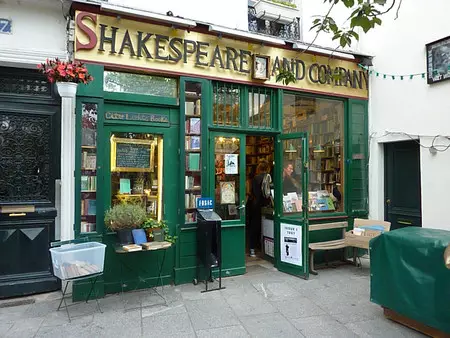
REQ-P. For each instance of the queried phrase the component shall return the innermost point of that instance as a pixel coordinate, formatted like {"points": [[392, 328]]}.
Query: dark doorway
{"points": [[29, 165], [402, 184]]}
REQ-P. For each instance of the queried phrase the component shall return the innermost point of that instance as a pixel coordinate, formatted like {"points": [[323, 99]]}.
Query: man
{"points": [[289, 183]]}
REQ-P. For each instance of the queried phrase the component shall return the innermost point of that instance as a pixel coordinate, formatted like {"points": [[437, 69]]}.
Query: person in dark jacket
{"points": [[256, 202], [289, 183]]}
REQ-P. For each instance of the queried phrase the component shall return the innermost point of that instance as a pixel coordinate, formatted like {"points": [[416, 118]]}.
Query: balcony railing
{"points": [[285, 31]]}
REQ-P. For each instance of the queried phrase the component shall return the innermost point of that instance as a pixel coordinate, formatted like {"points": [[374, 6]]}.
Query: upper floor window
{"points": [[268, 23]]}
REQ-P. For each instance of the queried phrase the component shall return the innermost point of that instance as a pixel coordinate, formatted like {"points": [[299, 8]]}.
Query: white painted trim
{"points": [[24, 57], [146, 14]]}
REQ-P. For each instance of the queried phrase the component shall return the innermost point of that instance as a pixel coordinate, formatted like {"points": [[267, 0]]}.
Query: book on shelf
{"points": [[88, 207], [87, 227], [189, 107], [197, 109], [193, 161], [125, 186], [194, 125], [192, 143], [88, 183], [190, 217], [190, 200]]}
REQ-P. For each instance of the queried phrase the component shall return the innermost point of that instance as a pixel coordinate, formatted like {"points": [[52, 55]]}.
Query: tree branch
{"points": [[398, 9]]}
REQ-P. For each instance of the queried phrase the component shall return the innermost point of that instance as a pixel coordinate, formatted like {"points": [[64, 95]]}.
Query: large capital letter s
{"points": [[86, 30]]}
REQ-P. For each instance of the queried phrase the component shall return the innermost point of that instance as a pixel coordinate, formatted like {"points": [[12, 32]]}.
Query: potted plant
{"points": [[124, 217], [66, 74], [150, 225], [158, 231]]}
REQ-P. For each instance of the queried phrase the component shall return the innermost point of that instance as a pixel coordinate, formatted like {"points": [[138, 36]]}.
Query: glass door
{"points": [[291, 205], [228, 176]]}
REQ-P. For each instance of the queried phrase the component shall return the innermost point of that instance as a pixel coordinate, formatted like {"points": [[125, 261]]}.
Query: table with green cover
{"points": [[408, 275]]}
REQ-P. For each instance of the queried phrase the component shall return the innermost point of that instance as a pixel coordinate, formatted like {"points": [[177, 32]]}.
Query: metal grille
{"points": [[12, 83], [226, 107], [289, 32], [25, 157], [259, 112]]}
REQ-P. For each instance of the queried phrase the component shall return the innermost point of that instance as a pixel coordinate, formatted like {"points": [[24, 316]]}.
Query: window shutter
{"points": [[358, 161]]}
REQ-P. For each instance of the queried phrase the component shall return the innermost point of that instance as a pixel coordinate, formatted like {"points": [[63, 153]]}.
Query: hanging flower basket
{"points": [[65, 71]]}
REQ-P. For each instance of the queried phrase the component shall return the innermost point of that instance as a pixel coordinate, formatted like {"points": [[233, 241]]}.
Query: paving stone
{"points": [[194, 292], [4, 327], [322, 326], [269, 325], [24, 328], [162, 310], [236, 331], [10, 314], [171, 325], [382, 327], [206, 314], [278, 290], [249, 303], [298, 307]]}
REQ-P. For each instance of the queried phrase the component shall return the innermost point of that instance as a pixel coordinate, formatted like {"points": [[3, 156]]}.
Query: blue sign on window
{"points": [[205, 203], [5, 26]]}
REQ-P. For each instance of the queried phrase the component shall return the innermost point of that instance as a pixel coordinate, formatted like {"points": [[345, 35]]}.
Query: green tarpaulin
{"points": [[408, 275]]}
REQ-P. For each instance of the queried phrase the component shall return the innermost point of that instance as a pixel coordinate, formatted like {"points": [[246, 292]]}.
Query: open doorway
{"points": [[259, 208]]}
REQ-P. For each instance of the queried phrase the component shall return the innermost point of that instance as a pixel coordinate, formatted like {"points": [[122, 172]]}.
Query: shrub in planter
{"points": [[124, 217], [157, 231]]}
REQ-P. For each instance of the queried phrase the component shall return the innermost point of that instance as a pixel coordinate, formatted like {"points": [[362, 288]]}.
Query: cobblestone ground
{"points": [[261, 303]]}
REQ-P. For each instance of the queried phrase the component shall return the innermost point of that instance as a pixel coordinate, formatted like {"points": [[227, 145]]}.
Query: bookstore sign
{"points": [[103, 39], [136, 117]]}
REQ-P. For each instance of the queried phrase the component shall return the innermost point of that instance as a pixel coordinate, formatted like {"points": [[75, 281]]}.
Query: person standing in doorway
{"points": [[255, 204]]}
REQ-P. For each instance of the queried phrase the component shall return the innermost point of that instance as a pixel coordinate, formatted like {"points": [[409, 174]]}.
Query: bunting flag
{"points": [[392, 76]]}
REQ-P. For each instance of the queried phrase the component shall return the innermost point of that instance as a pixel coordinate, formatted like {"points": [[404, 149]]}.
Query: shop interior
{"points": [[259, 228]]}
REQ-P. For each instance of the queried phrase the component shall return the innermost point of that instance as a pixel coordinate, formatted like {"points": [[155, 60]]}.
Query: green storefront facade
{"points": [[192, 121]]}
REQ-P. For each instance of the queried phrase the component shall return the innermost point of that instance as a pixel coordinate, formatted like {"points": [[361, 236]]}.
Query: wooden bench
{"points": [[328, 245]]}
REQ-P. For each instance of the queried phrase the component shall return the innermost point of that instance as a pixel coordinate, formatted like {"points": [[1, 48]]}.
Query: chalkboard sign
{"points": [[132, 155]]}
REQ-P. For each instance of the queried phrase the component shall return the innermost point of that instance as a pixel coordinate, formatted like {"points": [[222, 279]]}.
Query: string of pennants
{"points": [[392, 76]]}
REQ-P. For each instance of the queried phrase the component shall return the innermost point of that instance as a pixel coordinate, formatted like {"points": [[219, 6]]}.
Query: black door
{"points": [[29, 165], [402, 184]]}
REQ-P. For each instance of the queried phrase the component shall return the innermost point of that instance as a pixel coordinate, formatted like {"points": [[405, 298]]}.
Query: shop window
{"points": [[259, 107], [226, 105], [139, 84], [136, 171], [226, 155], [323, 119], [88, 182]]}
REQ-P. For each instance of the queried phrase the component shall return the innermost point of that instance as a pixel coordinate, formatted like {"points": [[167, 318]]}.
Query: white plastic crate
{"points": [[78, 260]]}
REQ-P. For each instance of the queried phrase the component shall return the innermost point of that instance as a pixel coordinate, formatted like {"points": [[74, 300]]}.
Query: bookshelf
{"points": [[88, 167], [259, 148], [192, 148]]}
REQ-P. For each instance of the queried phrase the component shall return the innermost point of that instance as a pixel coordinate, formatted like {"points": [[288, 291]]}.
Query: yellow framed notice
{"points": [[132, 155]]}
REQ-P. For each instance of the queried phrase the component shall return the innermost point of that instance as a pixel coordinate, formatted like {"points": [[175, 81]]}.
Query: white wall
{"points": [[410, 106], [229, 13], [38, 32]]}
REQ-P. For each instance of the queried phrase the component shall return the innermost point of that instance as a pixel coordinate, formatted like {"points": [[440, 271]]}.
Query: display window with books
{"points": [[323, 120], [192, 147], [136, 171], [88, 180]]}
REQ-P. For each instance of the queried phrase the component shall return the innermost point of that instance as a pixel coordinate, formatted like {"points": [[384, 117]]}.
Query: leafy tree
{"points": [[364, 14]]}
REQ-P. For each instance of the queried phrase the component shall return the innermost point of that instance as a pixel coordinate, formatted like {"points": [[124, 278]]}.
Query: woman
{"points": [[255, 203]]}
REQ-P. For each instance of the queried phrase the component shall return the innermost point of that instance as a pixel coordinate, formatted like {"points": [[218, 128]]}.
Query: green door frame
{"points": [[170, 210], [303, 270]]}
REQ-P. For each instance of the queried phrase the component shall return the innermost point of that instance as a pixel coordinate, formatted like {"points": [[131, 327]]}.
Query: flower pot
{"points": [[125, 236], [67, 89]]}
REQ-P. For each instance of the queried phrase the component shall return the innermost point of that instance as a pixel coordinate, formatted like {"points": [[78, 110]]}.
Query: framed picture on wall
{"points": [[261, 65], [438, 60]]}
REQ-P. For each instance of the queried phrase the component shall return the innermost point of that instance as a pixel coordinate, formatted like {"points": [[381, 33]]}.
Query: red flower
{"points": [[65, 71]]}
